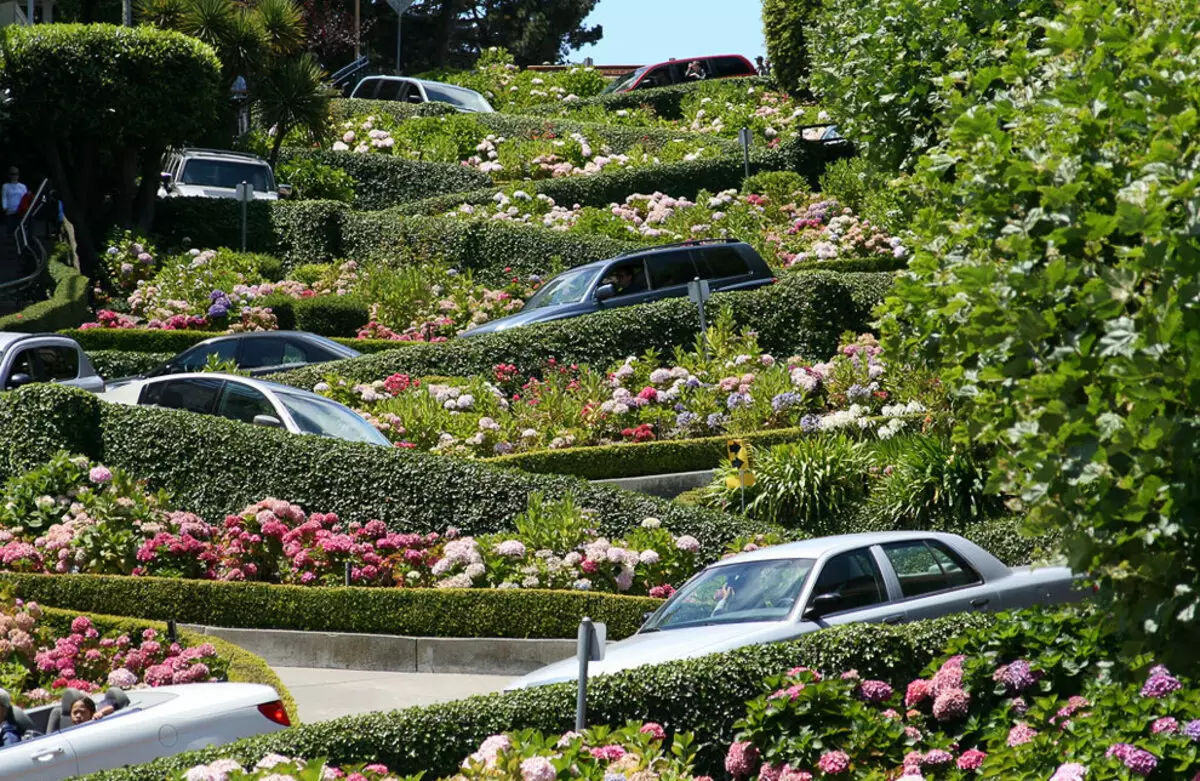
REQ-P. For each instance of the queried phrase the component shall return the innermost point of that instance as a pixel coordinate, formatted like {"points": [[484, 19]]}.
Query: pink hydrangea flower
{"points": [[1020, 735], [1071, 771], [655, 731], [834, 762], [971, 759], [100, 475], [1166, 724], [742, 760], [876, 691], [918, 691], [951, 704], [538, 769], [937, 757], [792, 774]]}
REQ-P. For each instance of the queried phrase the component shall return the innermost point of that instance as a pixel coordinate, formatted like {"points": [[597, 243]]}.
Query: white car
{"points": [[409, 90], [251, 401], [781, 592], [216, 173], [156, 723]]}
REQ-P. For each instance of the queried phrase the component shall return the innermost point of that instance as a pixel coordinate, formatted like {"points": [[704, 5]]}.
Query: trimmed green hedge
{"points": [[609, 462], [214, 466], [244, 667], [135, 340], [803, 314], [384, 180], [383, 611], [67, 306], [704, 696], [665, 102], [115, 364], [485, 247], [864, 265], [297, 231]]}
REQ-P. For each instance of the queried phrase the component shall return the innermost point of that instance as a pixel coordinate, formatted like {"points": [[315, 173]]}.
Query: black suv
{"points": [[638, 277]]}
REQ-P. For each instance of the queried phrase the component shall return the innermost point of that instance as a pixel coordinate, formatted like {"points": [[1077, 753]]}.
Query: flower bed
{"points": [[72, 516]]}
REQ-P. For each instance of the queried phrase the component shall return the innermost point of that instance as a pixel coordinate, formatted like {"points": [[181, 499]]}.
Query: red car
{"points": [[664, 74]]}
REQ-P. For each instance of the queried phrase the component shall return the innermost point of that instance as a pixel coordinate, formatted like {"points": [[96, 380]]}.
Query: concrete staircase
{"points": [[13, 267]]}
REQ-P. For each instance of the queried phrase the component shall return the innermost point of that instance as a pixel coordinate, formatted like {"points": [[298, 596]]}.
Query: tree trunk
{"points": [[147, 196], [445, 30], [74, 188], [126, 186], [281, 130]]}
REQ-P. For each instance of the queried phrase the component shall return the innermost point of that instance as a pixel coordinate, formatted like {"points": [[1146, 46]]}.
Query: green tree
{"points": [[101, 104], [1056, 286], [785, 26], [292, 94]]}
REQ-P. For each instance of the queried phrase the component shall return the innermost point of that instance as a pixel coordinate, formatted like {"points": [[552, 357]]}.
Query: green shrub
{"points": [[384, 180], [785, 25], [215, 467], [315, 180], [804, 314], [157, 342], [381, 611], [295, 231], [608, 462], [1005, 539], [664, 102], [67, 306], [325, 315], [115, 364], [779, 186], [886, 89], [244, 667], [870, 192], [705, 695]]}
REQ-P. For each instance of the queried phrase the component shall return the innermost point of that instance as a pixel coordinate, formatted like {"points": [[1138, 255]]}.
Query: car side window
{"points": [[368, 89], [659, 77], [57, 362], [259, 352], [242, 402], [295, 352], [854, 577], [723, 67], [917, 568], [23, 363], [721, 262], [627, 278], [390, 90], [958, 572], [196, 358], [668, 269], [196, 394]]}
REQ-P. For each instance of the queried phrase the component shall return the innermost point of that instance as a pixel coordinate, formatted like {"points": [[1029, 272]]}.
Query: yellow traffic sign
{"points": [[739, 454], [740, 480]]}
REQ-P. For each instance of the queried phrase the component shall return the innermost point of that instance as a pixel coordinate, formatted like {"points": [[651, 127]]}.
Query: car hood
{"points": [[525, 317], [666, 646]]}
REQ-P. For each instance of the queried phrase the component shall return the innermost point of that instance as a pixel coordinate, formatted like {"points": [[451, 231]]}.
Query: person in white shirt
{"points": [[11, 195]]}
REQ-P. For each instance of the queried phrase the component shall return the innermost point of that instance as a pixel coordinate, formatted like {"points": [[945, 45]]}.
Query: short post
{"points": [[347, 574], [245, 192], [592, 637], [698, 293], [172, 634], [744, 138]]}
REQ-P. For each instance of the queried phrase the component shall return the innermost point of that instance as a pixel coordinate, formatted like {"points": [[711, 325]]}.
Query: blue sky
{"points": [[637, 32]]}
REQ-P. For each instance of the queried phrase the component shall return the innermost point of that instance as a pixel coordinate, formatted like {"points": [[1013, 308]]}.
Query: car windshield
{"points": [[626, 81], [227, 173], [463, 98], [569, 287], [735, 594], [329, 419]]}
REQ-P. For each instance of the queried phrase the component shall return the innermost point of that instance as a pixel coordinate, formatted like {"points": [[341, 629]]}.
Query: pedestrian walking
{"points": [[11, 195]]}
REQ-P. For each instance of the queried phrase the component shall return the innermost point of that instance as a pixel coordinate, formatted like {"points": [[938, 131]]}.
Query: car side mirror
{"points": [[19, 379], [646, 616], [605, 292], [269, 421], [822, 604], [167, 180], [285, 191]]}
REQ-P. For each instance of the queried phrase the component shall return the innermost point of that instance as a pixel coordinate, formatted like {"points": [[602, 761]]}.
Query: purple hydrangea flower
{"points": [[810, 423], [1192, 730], [1160, 683], [736, 400]]}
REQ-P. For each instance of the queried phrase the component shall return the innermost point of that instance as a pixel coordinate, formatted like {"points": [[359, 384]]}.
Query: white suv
{"points": [[214, 173]]}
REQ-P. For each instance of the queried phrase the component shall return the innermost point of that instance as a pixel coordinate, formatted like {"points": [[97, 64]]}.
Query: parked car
{"points": [[664, 74], [258, 353], [26, 358], [251, 401], [408, 90], [783, 591], [157, 722], [639, 277], [216, 173]]}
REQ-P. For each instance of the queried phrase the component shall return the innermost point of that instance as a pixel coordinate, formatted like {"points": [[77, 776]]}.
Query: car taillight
{"points": [[773, 280], [275, 712]]}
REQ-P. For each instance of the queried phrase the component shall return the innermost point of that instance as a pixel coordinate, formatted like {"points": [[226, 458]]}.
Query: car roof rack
{"points": [[226, 152], [688, 243]]}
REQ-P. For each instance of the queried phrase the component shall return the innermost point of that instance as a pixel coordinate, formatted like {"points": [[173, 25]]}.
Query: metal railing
{"points": [[34, 247], [347, 72]]}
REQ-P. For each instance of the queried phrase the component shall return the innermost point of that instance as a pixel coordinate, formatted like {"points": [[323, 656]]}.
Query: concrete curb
{"points": [[394, 653], [663, 486]]}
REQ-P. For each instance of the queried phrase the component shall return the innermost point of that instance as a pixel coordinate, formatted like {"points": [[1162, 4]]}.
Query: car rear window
{"points": [[926, 567], [669, 269], [722, 262]]}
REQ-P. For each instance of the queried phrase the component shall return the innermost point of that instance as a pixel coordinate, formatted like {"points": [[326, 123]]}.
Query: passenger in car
{"points": [[83, 710], [9, 735], [627, 281], [114, 700]]}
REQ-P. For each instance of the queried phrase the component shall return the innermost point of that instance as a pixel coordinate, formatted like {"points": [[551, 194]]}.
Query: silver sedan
{"points": [[784, 591]]}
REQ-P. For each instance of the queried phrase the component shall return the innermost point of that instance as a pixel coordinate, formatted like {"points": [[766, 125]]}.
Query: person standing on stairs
{"points": [[11, 195]]}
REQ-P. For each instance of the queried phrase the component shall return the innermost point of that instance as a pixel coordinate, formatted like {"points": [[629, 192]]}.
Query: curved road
{"points": [[326, 694]]}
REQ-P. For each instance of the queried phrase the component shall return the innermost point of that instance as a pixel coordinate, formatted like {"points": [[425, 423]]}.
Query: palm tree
{"points": [[283, 23], [292, 94]]}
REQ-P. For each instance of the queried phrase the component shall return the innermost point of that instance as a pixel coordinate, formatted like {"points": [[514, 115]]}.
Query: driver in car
{"points": [[626, 281], [8, 730]]}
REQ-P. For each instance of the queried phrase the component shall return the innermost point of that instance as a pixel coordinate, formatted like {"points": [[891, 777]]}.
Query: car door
{"points": [[193, 394], [669, 273], [61, 362], [862, 592], [935, 580], [261, 352], [242, 402], [19, 362], [47, 758]]}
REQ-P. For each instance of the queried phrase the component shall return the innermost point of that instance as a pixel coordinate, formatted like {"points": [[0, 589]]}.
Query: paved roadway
{"points": [[327, 694]]}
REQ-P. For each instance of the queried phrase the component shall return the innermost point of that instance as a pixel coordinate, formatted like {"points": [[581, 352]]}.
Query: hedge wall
{"points": [[135, 340], [214, 466], [296, 231], [704, 696], [609, 462], [116, 364], [67, 306], [383, 611], [244, 667], [485, 247], [803, 314], [384, 180], [665, 102]]}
